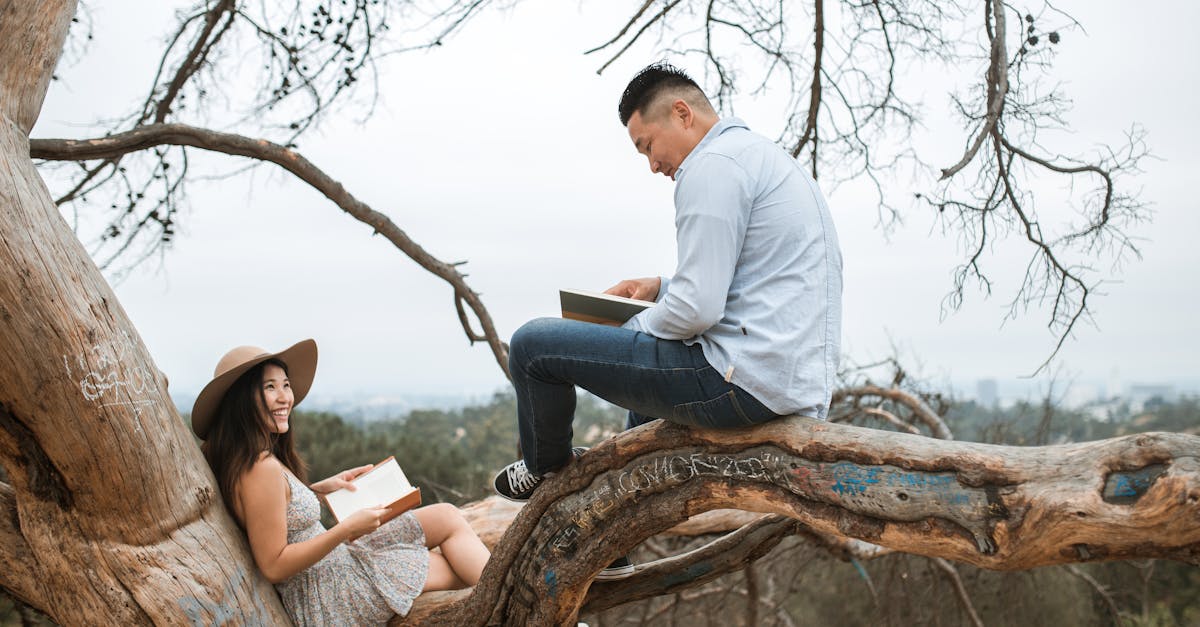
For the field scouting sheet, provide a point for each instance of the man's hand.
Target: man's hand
(640, 289)
(340, 480)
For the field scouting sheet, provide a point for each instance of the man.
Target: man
(748, 328)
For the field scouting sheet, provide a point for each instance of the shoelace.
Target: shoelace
(520, 478)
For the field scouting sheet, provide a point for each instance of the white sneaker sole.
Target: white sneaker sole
(612, 574)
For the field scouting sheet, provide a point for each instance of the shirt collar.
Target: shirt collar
(722, 125)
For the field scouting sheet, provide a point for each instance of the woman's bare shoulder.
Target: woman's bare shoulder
(266, 473)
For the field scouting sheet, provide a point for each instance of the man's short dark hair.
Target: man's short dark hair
(652, 81)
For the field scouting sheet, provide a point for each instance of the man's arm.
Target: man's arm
(712, 211)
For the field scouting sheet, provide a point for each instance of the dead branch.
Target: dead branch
(995, 84)
(1100, 590)
(960, 590)
(993, 506)
(919, 410)
(997, 201)
(150, 136)
(305, 55)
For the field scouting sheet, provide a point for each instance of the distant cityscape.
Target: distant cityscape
(1098, 399)
(362, 408)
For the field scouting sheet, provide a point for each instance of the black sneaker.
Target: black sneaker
(515, 483)
(619, 569)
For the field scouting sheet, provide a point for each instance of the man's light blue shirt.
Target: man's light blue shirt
(758, 283)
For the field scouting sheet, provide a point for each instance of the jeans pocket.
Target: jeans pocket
(721, 412)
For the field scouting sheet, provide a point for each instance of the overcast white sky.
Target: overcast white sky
(478, 155)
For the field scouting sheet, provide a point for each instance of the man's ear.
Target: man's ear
(682, 111)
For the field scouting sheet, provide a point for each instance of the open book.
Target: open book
(385, 484)
(599, 308)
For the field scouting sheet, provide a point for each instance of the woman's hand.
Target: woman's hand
(341, 480)
(362, 522)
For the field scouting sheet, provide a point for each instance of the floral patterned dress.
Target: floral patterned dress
(365, 582)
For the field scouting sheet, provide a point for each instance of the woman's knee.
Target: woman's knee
(448, 513)
(439, 521)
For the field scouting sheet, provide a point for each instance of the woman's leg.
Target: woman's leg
(462, 551)
(441, 576)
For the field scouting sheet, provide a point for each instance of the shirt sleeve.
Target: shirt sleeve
(712, 209)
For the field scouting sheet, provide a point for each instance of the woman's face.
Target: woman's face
(277, 393)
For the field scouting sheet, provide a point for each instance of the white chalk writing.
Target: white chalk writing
(110, 375)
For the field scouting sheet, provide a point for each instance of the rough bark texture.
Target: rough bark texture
(993, 506)
(112, 516)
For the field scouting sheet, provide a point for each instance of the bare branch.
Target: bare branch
(153, 135)
(883, 415)
(625, 29)
(196, 57)
(960, 590)
(920, 410)
(310, 54)
(632, 40)
(730, 553)
(814, 103)
(995, 84)
(1100, 590)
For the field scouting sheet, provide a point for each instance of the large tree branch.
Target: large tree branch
(149, 136)
(20, 576)
(729, 553)
(993, 506)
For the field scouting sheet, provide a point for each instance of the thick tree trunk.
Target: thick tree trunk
(993, 506)
(112, 516)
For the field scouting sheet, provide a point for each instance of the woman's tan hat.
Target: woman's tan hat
(301, 360)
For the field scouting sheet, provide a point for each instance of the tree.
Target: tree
(111, 515)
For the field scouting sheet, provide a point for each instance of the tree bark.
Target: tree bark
(996, 507)
(112, 516)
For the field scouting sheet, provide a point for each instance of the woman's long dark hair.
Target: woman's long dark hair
(241, 433)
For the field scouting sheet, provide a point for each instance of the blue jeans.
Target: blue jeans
(650, 377)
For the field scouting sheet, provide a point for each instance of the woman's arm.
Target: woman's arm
(262, 494)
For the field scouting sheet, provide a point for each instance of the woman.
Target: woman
(354, 573)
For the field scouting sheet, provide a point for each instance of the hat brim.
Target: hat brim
(301, 360)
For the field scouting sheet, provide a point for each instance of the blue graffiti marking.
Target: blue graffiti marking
(851, 478)
(1124, 488)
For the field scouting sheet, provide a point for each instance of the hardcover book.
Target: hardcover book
(599, 308)
(385, 484)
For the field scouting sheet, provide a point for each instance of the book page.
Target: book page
(610, 297)
(382, 485)
(599, 308)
